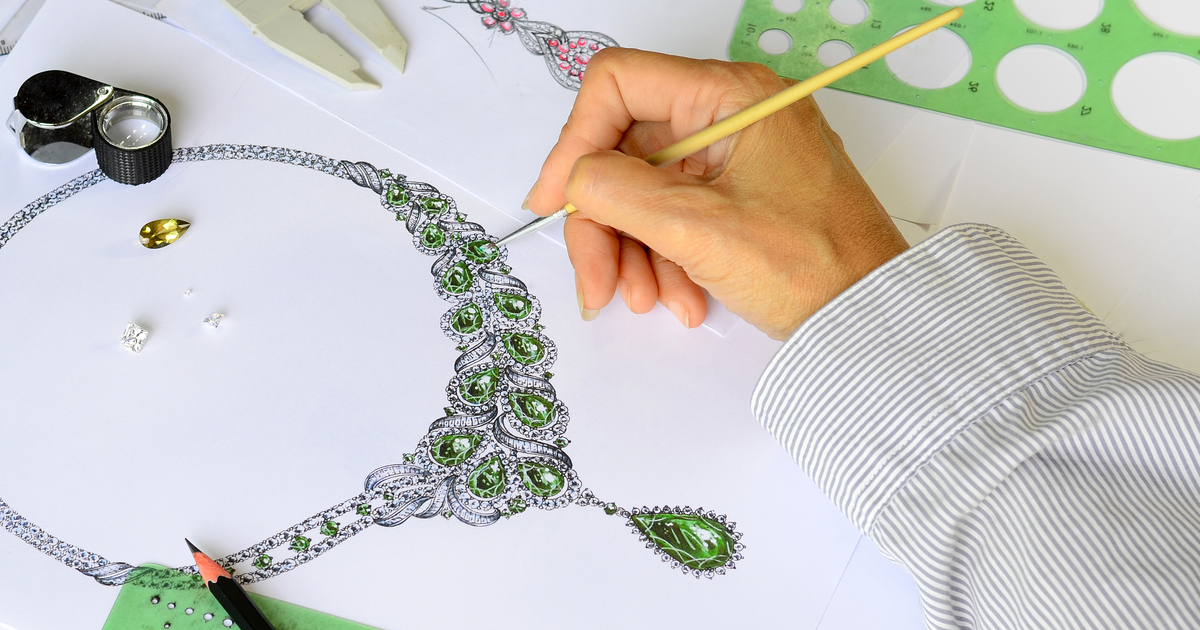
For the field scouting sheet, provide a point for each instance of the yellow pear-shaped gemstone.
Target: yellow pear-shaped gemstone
(163, 232)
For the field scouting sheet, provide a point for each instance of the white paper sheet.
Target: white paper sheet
(874, 593)
(478, 108)
(1159, 313)
(914, 233)
(330, 363)
(866, 125)
(913, 178)
(1094, 216)
(472, 102)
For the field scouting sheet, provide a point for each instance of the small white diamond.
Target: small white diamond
(187, 293)
(134, 337)
(214, 320)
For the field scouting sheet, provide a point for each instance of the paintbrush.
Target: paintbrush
(739, 121)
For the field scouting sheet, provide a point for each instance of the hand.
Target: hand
(773, 221)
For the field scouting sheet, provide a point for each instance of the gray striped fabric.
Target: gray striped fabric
(994, 438)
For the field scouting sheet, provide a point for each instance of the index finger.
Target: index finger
(624, 85)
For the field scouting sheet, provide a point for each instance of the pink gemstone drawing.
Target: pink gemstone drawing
(562, 50)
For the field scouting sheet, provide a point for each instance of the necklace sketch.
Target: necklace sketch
(567, 53)
(498, 448)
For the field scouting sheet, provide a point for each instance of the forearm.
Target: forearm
(957, 404)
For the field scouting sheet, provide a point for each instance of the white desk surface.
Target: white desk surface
(1119, 230)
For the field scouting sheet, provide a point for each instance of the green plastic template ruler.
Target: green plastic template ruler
(156, 597)
(991, 28)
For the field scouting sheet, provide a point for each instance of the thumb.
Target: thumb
(657, 207)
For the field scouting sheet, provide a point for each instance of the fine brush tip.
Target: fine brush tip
(191, 546)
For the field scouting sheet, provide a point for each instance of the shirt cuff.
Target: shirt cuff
(878, 381)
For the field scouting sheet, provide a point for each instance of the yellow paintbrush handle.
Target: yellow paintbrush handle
(739, 121)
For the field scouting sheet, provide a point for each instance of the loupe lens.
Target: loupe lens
(132, 122)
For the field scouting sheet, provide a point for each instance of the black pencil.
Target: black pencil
(242, 610)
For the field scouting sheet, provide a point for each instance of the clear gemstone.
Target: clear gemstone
(214, 320)
(134, 337)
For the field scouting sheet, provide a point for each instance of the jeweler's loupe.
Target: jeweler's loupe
(60, 116)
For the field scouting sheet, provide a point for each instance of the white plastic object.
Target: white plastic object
(281, 24)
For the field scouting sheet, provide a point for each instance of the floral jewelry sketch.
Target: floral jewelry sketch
(498, 448)
(567, 53)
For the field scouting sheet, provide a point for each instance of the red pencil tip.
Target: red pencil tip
(191, 546)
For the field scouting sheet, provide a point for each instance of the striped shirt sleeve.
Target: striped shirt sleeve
(998, 441)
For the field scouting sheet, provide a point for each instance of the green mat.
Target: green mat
(157, 597)
(991, 28)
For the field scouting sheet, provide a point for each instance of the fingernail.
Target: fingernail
(525, 204)
(681, 314)
(625, 290)
(586, 313)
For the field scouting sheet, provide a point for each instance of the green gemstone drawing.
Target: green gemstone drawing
(523, 348)
(432, 236)
(497, 450)
(478, 388)
(453, 449)
(433, 205)
(696, 542)
(541, 480)
(513, 306)
(488, 479)
(467, 320)
(457, 279)
(481, 252)
(531, 409)
(397, 196)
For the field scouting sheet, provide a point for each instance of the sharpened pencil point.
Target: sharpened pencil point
(191, 546)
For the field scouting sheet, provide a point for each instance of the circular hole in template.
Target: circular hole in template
(833, 52)
(787, 6)
(1173, 15)
(1041, 78)
(1062, 15)
(1157, 94)
(775, 41)
(849, 12)
(952, 3)
(938, 60)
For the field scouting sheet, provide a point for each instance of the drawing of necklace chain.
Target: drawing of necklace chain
(498, 448)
